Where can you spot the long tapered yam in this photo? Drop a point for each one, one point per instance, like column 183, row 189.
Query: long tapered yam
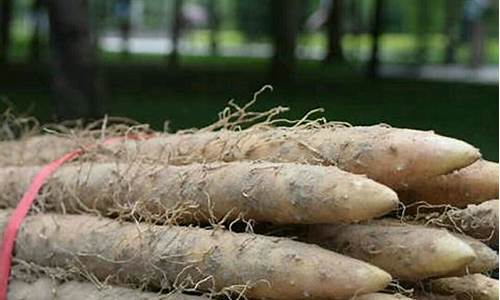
column 476, row 286
column 471, row 185
column 393, row 156
column 407, row 252
column 168, row 256
column 273, row 192
column 49, row 289
column 478, row 221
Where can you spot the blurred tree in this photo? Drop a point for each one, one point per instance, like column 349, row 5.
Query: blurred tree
column 354, row 17
column 473, row 14
column 422, row 20
column 34, row 44
column 123, row 13
column 403, row 16
column 449, row 30
column 354, row 24
column 396, row 14
column 334, row 29
column 490, row 20
column 5, row 27
column 253, row 18
column 173, row 59
column 376, row 30
column 285, row 28
column 214, row 23
column 477, row 44
column 74, row 78
column 307, row 10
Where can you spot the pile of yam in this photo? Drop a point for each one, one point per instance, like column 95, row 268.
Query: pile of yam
column 312, row 210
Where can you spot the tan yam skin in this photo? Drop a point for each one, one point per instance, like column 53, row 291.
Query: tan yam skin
column 272, row 192
column 159, row 256
column 421, row 295
column 476, row 286
column 49, row 289
column 409, row 253
column 471, row 185
column 486, row 259
column 478, row 221
column 36, row 150
column 392, row 156
column 381, row 296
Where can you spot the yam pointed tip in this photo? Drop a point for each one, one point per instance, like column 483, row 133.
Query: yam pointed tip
column 392, row 199
column 387, row 276
column 370, row 279
column 456, row 254
column 378, row 200
column 454, row 154
column 358, row 278
column 382, row 278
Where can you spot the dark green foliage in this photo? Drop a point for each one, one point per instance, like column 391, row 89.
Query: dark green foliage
column 253, row 18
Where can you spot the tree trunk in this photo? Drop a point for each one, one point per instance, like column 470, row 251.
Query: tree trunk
column 285, row 27
column 377, row 27
column 74, row 79
column 477, row 44
column 355, row 17
column 34, row 47
column 335, row 31
column 421, row 34
column 214, row 26
column 355, row 28
column 125, row 26
column 449, row 31
column 5, row 23
column 175, row 33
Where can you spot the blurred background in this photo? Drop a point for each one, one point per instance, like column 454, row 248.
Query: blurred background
column 426, row 64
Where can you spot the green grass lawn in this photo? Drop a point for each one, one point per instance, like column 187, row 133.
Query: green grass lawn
column 145, row 90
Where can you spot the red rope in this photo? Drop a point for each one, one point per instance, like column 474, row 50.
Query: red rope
column 20, row 212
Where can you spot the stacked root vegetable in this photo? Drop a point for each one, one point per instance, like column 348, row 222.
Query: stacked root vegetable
column 246, row 208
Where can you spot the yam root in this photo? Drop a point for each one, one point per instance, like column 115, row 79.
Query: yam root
column 476, row 286
column 478, row 221
column 471, row 185
column 273, row 192
column 49, row 289
column 192, row 258
column 407, row 252
column 395, row 157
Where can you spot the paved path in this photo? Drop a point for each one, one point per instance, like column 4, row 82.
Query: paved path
column 162, row 45
column 486, row 74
